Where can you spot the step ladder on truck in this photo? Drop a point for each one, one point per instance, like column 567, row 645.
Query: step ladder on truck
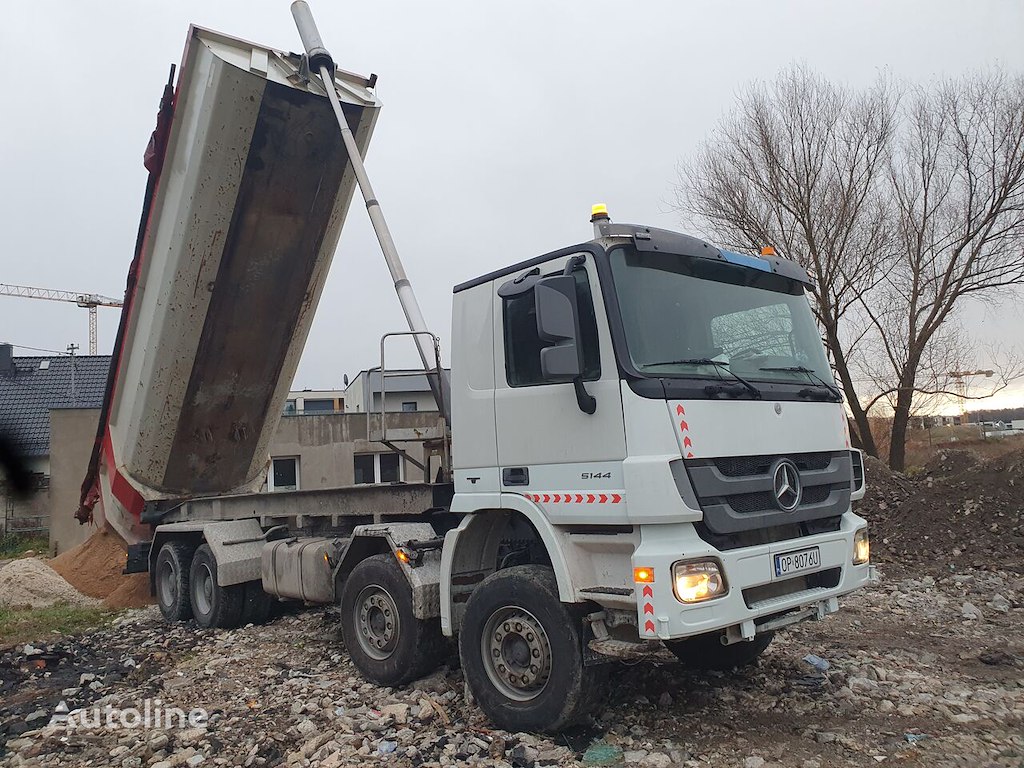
column 640, row 447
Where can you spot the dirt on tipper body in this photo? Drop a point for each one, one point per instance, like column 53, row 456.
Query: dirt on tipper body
column 30, row 583
column 94, row 568
column 959, row 512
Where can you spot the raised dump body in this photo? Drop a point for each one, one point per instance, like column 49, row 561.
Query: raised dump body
column 251, row 184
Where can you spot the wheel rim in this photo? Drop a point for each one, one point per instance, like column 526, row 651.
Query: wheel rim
column 167, row 583
column 203, row 589
column 516, row 653
column 377, row 622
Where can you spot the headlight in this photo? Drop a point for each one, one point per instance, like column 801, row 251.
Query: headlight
column 698, row 581
column 861, row 547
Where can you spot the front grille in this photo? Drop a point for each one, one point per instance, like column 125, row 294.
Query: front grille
column 736, row 492
column 744, row 466
column 723, row 542
column 858, row 469
column 764, row 501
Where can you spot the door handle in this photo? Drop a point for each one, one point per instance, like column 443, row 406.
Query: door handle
column 515, row 476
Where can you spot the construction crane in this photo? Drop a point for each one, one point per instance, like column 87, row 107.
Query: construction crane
column 960, row 379
column 88, row 300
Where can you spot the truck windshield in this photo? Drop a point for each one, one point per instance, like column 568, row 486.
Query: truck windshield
column 691, row 317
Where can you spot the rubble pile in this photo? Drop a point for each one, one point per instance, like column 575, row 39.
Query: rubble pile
column 957, row 513
column 918, row 671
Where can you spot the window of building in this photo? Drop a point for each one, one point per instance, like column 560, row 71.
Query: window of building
column 409, row 406
column 318, row 406
column 284, row 474
column 289, row 407
column 363, row 466
column 523, row 343
column 389, row 463
column 377, row 468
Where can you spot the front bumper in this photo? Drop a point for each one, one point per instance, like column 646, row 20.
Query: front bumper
column 757, row 601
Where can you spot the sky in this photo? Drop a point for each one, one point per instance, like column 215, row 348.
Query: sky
column 502, row 123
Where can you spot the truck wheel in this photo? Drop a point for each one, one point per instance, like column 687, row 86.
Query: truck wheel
column 522, row 653
column 385, row 641
column 257, row 603
column 171, row 580
column 707, row 651
column 213, row 605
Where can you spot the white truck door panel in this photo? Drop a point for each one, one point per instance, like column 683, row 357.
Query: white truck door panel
column 541, row 428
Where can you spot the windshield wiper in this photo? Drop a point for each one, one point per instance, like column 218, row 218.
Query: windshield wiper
column 720, row 365
column 811, row 375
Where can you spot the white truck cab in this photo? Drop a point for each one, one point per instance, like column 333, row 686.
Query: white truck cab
column 659, row 411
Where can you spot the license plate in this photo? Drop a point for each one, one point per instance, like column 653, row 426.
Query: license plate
column 797, row 561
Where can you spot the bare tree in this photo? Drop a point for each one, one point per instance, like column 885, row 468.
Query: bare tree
column 957, row 203
column 900, row 207
column 800, row 165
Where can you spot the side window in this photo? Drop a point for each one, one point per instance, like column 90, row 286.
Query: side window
column 523, row 344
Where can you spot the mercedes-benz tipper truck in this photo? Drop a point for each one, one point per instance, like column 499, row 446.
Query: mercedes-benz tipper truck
column 640, row 445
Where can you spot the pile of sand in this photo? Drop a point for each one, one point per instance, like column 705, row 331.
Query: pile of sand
column 94, row 568
column 31, row 583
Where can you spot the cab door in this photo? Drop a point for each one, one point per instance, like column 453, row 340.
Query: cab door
column 567, row 461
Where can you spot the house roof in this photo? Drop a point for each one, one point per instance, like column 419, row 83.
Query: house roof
column 38, row 384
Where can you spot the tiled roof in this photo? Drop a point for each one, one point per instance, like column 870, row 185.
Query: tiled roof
column 28, row 394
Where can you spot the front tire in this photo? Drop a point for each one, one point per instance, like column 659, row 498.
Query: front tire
column 707, row 652
column 171, row 579
column 212, row 604
column 385, row 641
column 522, row 653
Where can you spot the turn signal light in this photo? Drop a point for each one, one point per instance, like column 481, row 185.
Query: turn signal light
column 402, row 556
column 767, row 251
column 643, row 575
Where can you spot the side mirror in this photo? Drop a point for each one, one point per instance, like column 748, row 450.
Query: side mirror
column 558, row 324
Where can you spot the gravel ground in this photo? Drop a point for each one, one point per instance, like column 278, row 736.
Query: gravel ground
column 923, row 671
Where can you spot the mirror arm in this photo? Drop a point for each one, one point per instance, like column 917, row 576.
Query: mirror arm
column 586, row 401
column 574, row 263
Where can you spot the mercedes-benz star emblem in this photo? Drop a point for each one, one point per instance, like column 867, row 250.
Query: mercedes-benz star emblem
column 786, row 485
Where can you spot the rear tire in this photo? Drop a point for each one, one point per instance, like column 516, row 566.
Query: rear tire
column 522, row 653
column 707, row 651
column 385, row 641
column 171, row 579
column 213, row 605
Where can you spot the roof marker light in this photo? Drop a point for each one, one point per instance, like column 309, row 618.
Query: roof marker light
column 767, row 251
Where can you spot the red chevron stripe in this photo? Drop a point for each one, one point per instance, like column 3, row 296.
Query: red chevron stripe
column 590, row 498
column 680, row 410
column 616, row 498
column 648, row 591
column 649, row 626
